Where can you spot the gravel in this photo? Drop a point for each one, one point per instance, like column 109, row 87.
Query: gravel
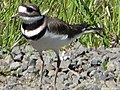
column 81, row 69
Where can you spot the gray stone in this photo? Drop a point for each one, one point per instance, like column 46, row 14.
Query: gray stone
column 34, row 57
column 117, row 65
column 15, row 65
column 32, row 62
column 24, row 65
column 105, row 88
column 114, row 50
column 111, row 83
column 111, row 66
column 68, row 82
column 118, row 81
column 109, row 74
column 29, row 48
column 46, row 80
column 64, row 55
column 85, row 66
column 65, row 64
column 61, row 78
column 8, row 59
column 102, row 77
column 92, row 54
column 24, row 73
column 75, row 79
column 49, row 67
column 45, row 87
column 91, row 69
column 92, row 73
column 16, row 50
column 96, row 61
column 3, row 64
column 60, row 86
column 84, row 74
column 112, row 56
column 11, row 80
column 2, row 79
column 54, row 64
column 18, row 57
column 38, row 64
column 51, row 73
column 31, row 69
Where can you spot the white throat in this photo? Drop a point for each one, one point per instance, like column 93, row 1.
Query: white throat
column 30, row 20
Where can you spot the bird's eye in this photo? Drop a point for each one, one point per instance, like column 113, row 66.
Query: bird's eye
column 30, row 10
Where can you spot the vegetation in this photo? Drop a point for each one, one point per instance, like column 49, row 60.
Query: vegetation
column 99, row 13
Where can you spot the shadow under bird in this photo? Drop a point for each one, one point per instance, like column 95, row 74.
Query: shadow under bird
column 45, row 32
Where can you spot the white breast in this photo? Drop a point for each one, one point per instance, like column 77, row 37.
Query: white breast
column 50, row 41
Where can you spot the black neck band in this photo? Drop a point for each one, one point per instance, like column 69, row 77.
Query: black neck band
column 38, row 36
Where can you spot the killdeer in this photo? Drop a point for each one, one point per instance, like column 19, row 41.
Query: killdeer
column 45, row 32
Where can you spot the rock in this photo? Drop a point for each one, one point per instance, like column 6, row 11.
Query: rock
column 49, row 67
column 46, row 80
column 84, row 74
column 102, row 77
column 24, row 65
column 61, row 78
column 111, row 83
column 8, row 59
column 2, row 79
column 11, row 80
column 32, row 62
column 29, row 48
column 33, row 58
column 3, row 64
column 92, row 73
column 51, row 73
column 94, row 87
column 16, row 50
column 75, row 79
column 31, row 69
column 64, row 56
column 15, row 65
column 60, row 86
column 38, row 64
column 114, row 50
column 109, row 75
column 18, row 57
column 118, row 81
column 89, row 73
column 68, row 82
column 65, row 64
column 96, row 61
column 105, row 88
column 111, row 66
column 92, row 54
column 15, row 86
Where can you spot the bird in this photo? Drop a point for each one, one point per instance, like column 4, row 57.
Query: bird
column 46, row 32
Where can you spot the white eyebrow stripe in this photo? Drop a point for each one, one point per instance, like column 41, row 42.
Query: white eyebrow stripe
column 32, row 7
column 22, row 9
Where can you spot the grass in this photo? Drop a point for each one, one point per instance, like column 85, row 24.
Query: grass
column 99, row 13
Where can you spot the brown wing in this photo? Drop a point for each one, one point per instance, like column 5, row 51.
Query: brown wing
column 57, row 26
column 60, row 27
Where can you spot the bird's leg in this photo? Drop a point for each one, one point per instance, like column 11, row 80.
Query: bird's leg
column 41, row 69
column 57, row 69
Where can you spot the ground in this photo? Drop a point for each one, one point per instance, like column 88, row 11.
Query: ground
column 81, row 68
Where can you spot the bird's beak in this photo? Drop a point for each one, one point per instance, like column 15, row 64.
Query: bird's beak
column 16, row 16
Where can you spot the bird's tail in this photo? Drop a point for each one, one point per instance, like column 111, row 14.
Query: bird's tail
column 91, row 30
column 85, row 28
